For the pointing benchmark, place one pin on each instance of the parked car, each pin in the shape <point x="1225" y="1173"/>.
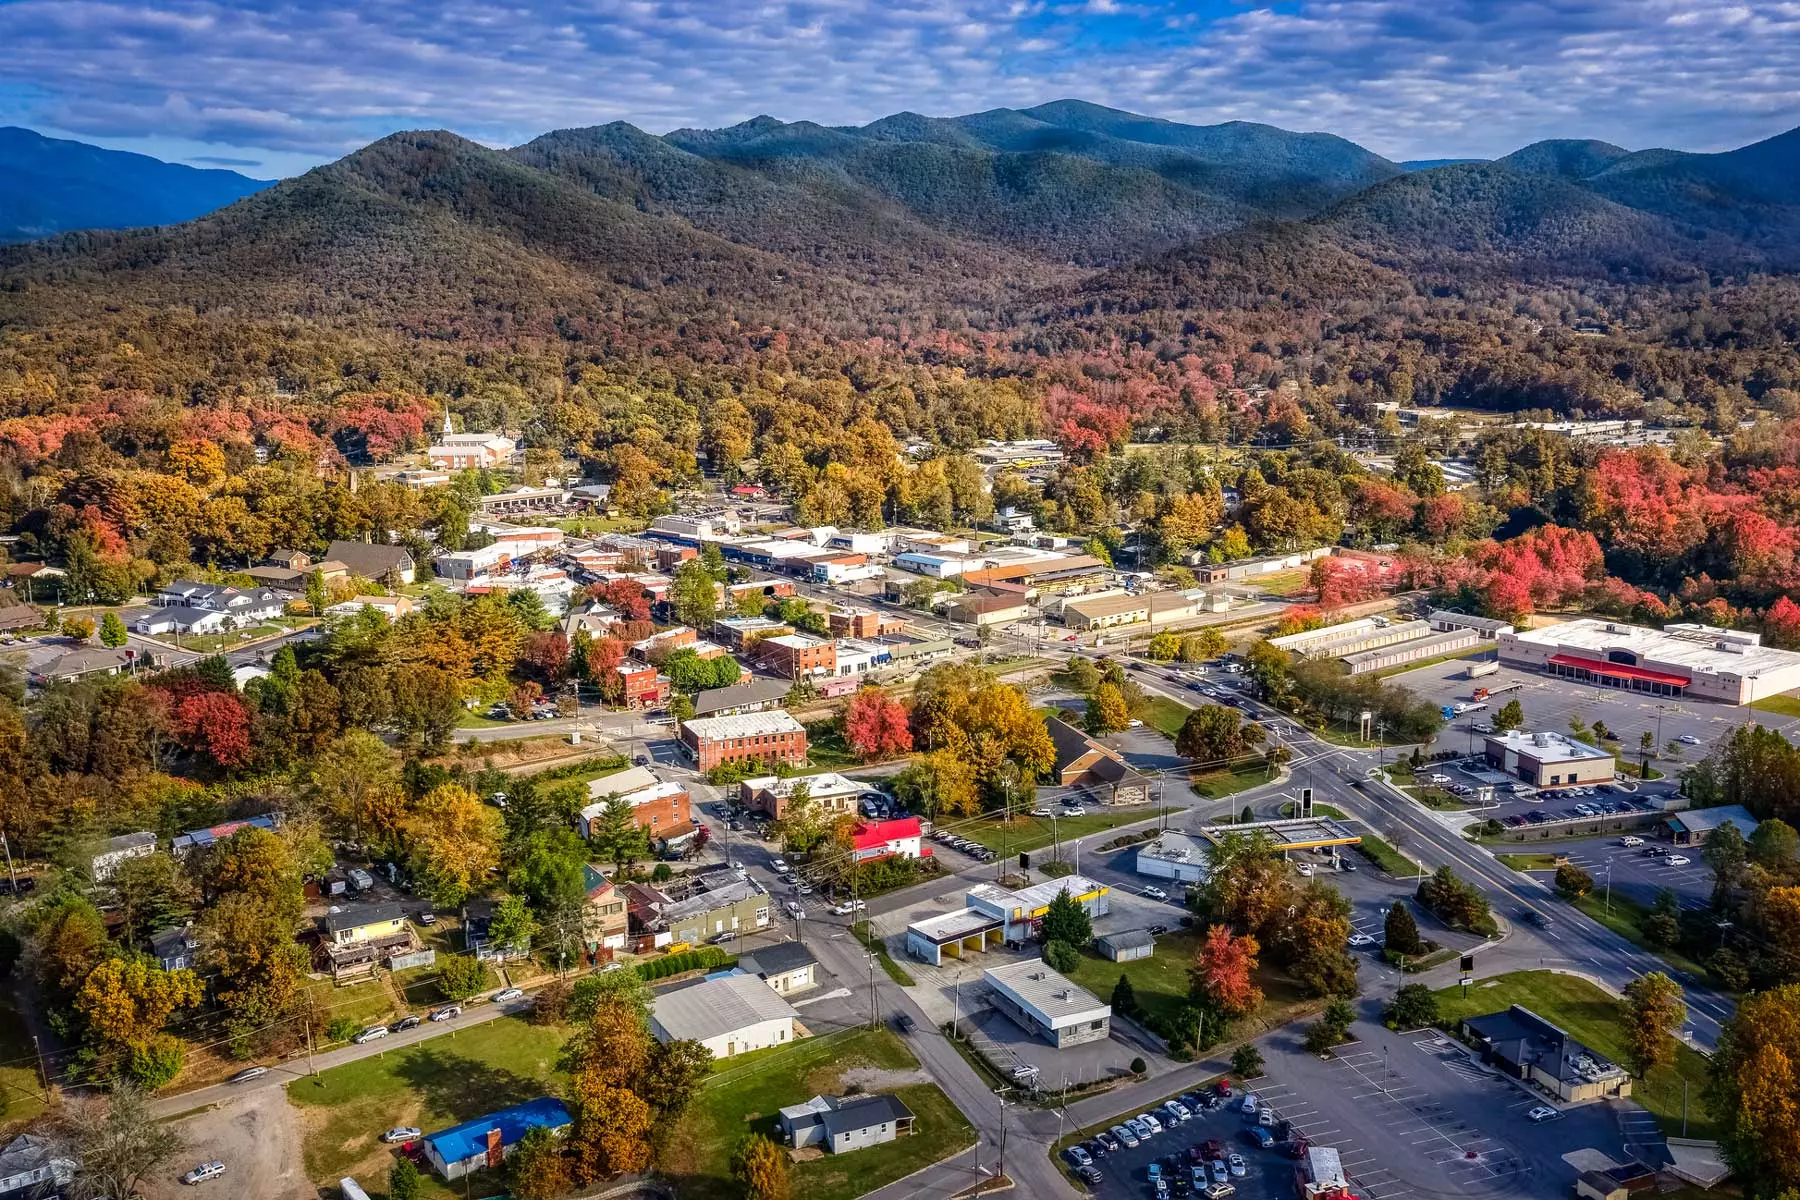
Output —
<point x="1108" y="1140"/>
<point x="401" y="1133"/>
<point x="1079" y="1156"/>
<point x="1677" y="860"/>
<point x="1220" y="1172"/>
<point x="1090" y="1175"/>
<point x="248" y="1073"/>
<point x="1124" y="1135"/>
<point x="1260" y="1137"/>
<point x="1155" y="893"/>
<point x="446" y="1012"/>
<point x="406" y="1023"/>
<point x="1688" y="739"/>
<point x="1356" y="939"/>
<point x="505" y="994"/>
<point x="1542" y="1113"/>
<point x="1149" y="1119"/>
<point x="1235" y="1163"/>
<point x="1249" y="1104"/>
<point x="372" y="1033"/>
<point x="1024" y="1071"/>
<point x="204" y="1172"/>
<point x="1631" y="840"/>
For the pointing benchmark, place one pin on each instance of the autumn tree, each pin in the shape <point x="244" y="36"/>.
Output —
<point x="1215" y="733"/>
<point x="115" y="1140"/>
<point x="693" y="595"/>
<point x="1654" y="1011"/>
<point x="453" y="839"/>
<point x="604" y="1060"/>
<point x="874" y="726"/>
<point x="153" y="892"/>
<point x="1753" y="1092"/>
<point x="939" y="783"/>
<point x="1248" y="885"/>
<point x="1203" y="646"/>
<point x="1775" y="846"/>
<point x="112" y="630"/>
<point x="762" y="1167"/>
<point x="124" y="1003"/>
<point x="1163" y="647"/>
<point x="247" y="942"/>
<point x="461" y="976"/>
<point x="68" y="940"/>
<point x="355" y="786"/>
<point x="215" y="725"/>
<point x="1107" y="711"/>
<point x="537" y="1168"/>
<point x="1223" y="972"/>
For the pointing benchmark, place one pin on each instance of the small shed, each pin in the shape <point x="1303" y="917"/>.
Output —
<point x="1126" y="945"/>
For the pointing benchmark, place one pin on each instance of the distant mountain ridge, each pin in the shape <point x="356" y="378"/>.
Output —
<point x="50" y="186"/>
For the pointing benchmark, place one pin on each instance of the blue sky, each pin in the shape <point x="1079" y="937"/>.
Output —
<point x="272" y="87"/>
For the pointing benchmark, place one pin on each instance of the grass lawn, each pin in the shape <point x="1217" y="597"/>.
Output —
<point x="894" y="970"/>
<point x="1160" y="981"/>
<point x="1529" y="862"/>
<point x="20" y="1098"/>
<point x="1165" y="715"/>
<point x="734" y="1103"/>
<point x="1285" y="583"/>
<point x="1386" y="857"/>
<point x="825" y="748"/>
<point x="1787" y="704"/>
<point x="1626" y="918"/>
<point x="1031" y="833"/>
<point x="1593" y="1017"/>
<point x="365" y="1003"/>
<point x="1219" y="784"/>
<point x="431" y="1085"/>
<point x="474" y="720"/>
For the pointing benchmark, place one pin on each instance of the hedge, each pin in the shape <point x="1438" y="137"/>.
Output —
<point x="701" y="958"/>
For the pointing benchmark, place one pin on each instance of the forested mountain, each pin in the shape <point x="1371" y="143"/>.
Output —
<point x="49" y="185"/>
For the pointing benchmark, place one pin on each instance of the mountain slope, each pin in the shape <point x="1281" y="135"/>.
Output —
<point x="1566" y="158"/>
<point x="48" y="185"/>
<point x="1751" y="193"/>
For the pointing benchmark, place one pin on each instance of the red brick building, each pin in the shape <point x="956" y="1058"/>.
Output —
<point x="768" y="737"/>
<point x="796" y="655"/>
<point x="864" y="623"/>
<point x="645" y="686"/>
<point x="670" y="557"/>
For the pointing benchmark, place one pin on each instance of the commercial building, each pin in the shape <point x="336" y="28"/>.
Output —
<point x="1022" y="911"/>
<point x="1155" y="608"/>
<point x="797" y="655"/>
<point x="742" y="633"/>
<point x="833" y="793"/>
<point x="83" y="664"/>
<point x="1693" y="826"/>
<point x="842" y="1125"/>
<point x="788" y="967"/>
<point x="1548" y="759"/>
<point x="1415" y="649"/>
<point x="1175" y="856"/>
<point x="660" y="807"/>
<point x="1049" y="1005"/>
<point x="486" y="1141"/>
<point x="953" y="935"/>
<point x="1527" y="1047"/>
<point x="749" y="696"/>
<point x="720" y="902"/>
<point x="118" y="849"/>
<point x="1490" y="628"/>
<point x="1085" y="763"/>
<point x="383" y="564"/>
<point x="767" y="737"/>
<point x="1250" y="568"/>
<point x="988" y="608"/>
<point x="728" y="1014"/>
<point x="470" y="451"/>
<point x="1703" y="661"/>
<point x="1302" y="833"/>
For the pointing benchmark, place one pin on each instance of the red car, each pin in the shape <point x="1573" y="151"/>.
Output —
<point x="1223" y="1088"/>
<point x="1212" y="1151"/>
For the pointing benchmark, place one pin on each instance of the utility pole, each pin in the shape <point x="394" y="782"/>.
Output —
<point x="1000" y="1166"/>
<point x="11" y="873"/>
<point x="43" y="1071"/>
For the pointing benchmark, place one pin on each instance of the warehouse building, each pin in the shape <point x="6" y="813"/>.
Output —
<point x="1490" y="628"/>
<point x="1046" y="1004"/>
<point x="729" y="1015"/>
<point x="1412" y="650"/>
<point x="1702" y="661"/>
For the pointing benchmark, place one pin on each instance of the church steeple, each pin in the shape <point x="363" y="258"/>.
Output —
<point x="447" y="427"/>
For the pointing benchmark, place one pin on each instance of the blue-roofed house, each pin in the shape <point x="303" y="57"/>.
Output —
<point x="486" y="1141"/>
<point x="205" y="839"/>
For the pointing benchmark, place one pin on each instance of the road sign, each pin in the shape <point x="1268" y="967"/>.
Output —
<point x="1468" y="964"/>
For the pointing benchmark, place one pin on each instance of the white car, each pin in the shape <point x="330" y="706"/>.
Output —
<point x="1071" y="811"/>
<point x="848" y="907"/>
<point x="1631" y="839"/>
<point x="1236" y="1165"/>
<point x="793" y="910"/>
<point x="779" y="866"/>
<point x="445" y="1013"/>
<point x="1677" y="860"/>
<point x="1080" y="1157"/>
<point x="1042" y="812"/>
<point x="505" y="994"/>
<point x="1149" y="1119"/>
<point x="1356" y="939"/>
<point x="1249" y="1104"/>
<point x="1440" y="779"/>
<point x="1304" y="870"/>
<point x="1155" y="893"/>
<point x="1542" y="1113"/>
<point x="401" y="1133"/>
<point x="204" y="1172"/>
<point x="372" y="1033"/>
<point x="1125" y="1134"/>
<point x="1688" y="739"/>
<point x="1134" y="723"/>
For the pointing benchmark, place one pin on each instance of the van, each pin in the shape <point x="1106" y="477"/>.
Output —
<point x="372" y="1033"/>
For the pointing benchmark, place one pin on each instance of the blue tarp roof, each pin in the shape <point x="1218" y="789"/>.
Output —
<point x="471" y="1137"/>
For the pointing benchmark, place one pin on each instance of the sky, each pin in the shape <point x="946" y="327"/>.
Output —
<point x="272" y="87"/>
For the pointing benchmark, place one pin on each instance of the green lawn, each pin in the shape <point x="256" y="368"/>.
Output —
<point x="1217" y="785"/>
<point x="1386" y="857"/>
<point x="364" y="1003"/>
<point x="894" y="970"/>
<point x="1626" y="917"/>
<point x="1787" y="704"/>
<point x="20" y="1097"/>
<point x="1032" y="833"/>
<point x="474" y="720"/>
<point x="734" y="1103"/>
<point x="1529" y="862"/>
<point x="1165" y="715"/>
<point x="1593" y="1017"/>
<point x="1160" y="981"/>
<point x="825" y="748"/>
<point x="431" y="1085"/>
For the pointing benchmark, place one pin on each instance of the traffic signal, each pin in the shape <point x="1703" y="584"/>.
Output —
<point x="1306" y="802"/>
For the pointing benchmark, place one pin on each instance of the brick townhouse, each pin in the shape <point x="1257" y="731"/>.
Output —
<point x="863" y="623"/>
<point x="797" y="655"/>
<point x="645" y="686"/>
<point x="768" y="737"/>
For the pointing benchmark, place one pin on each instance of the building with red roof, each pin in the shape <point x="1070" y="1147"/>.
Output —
<point x="901" y="838"/>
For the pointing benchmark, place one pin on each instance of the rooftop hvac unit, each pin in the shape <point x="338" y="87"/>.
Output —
<point x="1540" y="739"/>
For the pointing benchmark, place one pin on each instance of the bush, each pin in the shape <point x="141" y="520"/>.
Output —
<point x="661" y="873"/>
<point x="701" y="958"/>
<point x="1247" y="1061"/>
<point x="1414" y="1006"/>
<point x="1573" y="882"/>
<point x="1124" y="998"/>
<point x="157" y="1063"/>
<point x="1139" y="1066"/>
<point x="1061" y="956"/>
<point x="341" y="1029"/>
<point x="1320" y="1038"/>
<point x="460" y="976"/>
<point x="551" y="1002"/>
<point x="403" y="1180"/>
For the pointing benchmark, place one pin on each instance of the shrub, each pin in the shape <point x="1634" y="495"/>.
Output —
<point x="1247" y="1061"/>
<point x="157" y="1062"/>
<point x="403" y="1180"/>
<point x="551" y="1002"/>
<point x="341" y="1029"/>
<point x="701" y="958"/>
<point x="1061" y="956"/>
<point x="1572" y="881"/>
<point x="1139" y="1066"/>
<point x="460" y="976"/>
<point x="1413" y="1007"/>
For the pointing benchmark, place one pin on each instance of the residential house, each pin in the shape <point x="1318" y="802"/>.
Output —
<point x="31" y="1166"/>
<point x="205" y="839"/>
<point x="239" y="606"/>
<point x="391" y="607"/>
<point x="840" y="1125"/>
<point x="729" y="1015"/>
<point x="715" y="906"/>
<point x="748" y="696"/>
<point x="788" y="967"/>
<point x="604" y="920"/>
<point x="364" y="924"/>
<point x="175" y="948"/>
<point x="390" y="565"/>
<point x="766" y="737"/>
<point x="1083" y="762"/>
<point x="486" y="1141"/>
<point x="84" y="663"/>
<point x="118" y="849"/>
<point x="14" y="617"/>
<point x="899" y="838"/>
<point x="477" y="917"/>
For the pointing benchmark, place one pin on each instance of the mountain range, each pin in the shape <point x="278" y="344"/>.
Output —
<point x="604" y="231"/>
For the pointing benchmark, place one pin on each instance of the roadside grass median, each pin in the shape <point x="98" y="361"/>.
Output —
<point x="872" y="942"/>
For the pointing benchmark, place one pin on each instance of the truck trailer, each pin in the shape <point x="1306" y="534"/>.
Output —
<point x="1477" y="669"/>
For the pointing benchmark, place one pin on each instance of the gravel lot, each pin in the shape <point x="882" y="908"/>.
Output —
<point x="256" y="1137"/>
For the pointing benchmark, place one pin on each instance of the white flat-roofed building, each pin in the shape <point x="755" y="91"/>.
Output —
<point x="1175" y="856"/>
<point x="953" y="935"/>
<point x="1023" y="910"/>
<point x="1728" y="665"/>
<point x="730" y="1015"/>
<point x="1047" y="1004"/>
<point x="1548" y="759"/>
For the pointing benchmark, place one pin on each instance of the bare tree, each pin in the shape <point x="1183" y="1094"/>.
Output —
<point x="115" y="1141"/>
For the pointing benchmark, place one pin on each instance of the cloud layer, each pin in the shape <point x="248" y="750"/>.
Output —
<point x="1408" y="78"/>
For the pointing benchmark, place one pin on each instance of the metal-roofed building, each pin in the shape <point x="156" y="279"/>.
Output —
<point x="1023" y="910"/>
<point x="1302" y="833"/>
<point x="462" y="1149"/>
<point x="787" y="967"/>
<point x="1490" y="628"/>
<point x="1729" y="665"/>
<point x="847" y="1124"/>
<point x="1126" y="945"/>
<point x="730" y="1014"/>
<point x="1693" y="826"/>
<point x="1526" y="1046"/>
<point x="1049" y="1005"/>
<point x="954" y="934"/>
<point x="768" y="737"/>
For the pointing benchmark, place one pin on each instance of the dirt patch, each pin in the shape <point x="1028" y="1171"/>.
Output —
<point x="258" y="1140"/>
<point x="878" y="1079"/>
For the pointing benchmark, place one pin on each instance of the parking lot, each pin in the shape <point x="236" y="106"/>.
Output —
<point x="1638" y="874"/>
<point x="1268" y="1174"/>
<point x="1602" y="807"/>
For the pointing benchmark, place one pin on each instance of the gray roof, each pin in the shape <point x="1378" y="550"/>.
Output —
<point x="718" y="1006"/>
<point x="370" y="561"/>
<point x="350" y="918"/>
<point x="84" y="662"/>
<point x="168" y="942"/>
<point x="723" y="892"/>
<point x="850" y="1115"/>
<point x="1070" y="742"/>
<point x="130" y="841"/>
<point x="1705" y="820"/>
<point x="1127" y="939"/>
<point x="1484" y="624"/>
<point x="778" y="959"/>
<point x="754" y="691"/>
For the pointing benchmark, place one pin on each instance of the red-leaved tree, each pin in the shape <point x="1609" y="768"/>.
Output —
<point x="1223" y="971"/>
<point x="627" y="598"/>
<point x="875" y="726"/>
<point x="546" y="654"/>
<point x="215" y="724"/>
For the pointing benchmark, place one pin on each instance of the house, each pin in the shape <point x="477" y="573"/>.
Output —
<point x="788" y="967"/>
<point x="797" y="655"/>
<point x="730" y="1014"/>
<point x="900" y="838"/>
<point x="766" y="737"/>
<point x="1083" y="762"/>
<point x="1126" y="945"/>
<point x="118" y="849"/>
<point x="30" y="1167"/>
<point x="82" y="664"/>
<point x="834" y="794"/>
<point x="1527" y="1047"/>
<point x="477" y="916"/>
<point x="842" y="1125"/>
<point x="14" y="617"/>
<point x="204" y="839"/>
<point x="1049" y="1005"/>
<point x="604" y="921"/>
<point x="748" y="696"/>
<point x="175" y="948"/>
<point x="486" y="1141"/>
<point x="364" y="924"/>
<point x="239" y="606"/>
<point x="390" y="565"/>
<point x="195" y="622"/>
<point x="1694" y="826"/>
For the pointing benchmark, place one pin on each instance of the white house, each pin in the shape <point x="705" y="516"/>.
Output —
<point x="126" y="845"/>
<point x="734" y="1014"/>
